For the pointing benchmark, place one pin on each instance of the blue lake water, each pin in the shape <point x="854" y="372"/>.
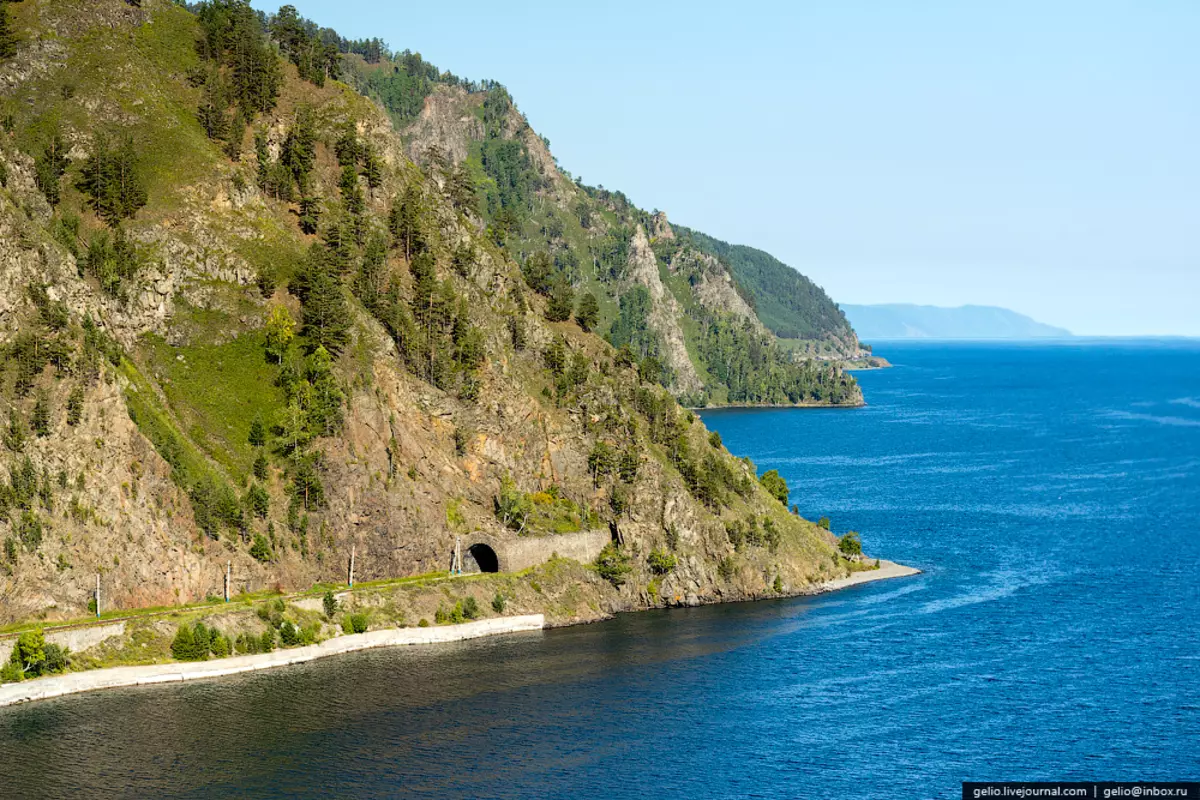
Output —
<point x="1051" y="493"/>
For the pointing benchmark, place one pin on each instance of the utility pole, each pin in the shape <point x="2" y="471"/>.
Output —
<point x="228" y="569"/>
<point x="97" y="595"/>
<point x="352" y="548"/>
<point x="456" y="558"/>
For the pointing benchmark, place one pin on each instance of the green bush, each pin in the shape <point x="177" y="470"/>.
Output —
<point x="471" y="608"/>
<point x="613" y="565"/>
<point x="774" y="483"/>
<point x="457" y="615"/>
<point x="191" y="643"/>
<point x="331" y="604"/>
<point x="424" y="623"/>
<point x="660" y="563"/>
<point x="778" y="585"/>
<point x="261" y="549"/>
<point x="248" y="644"/>
<point x="498" y="603"/>
<point x="440" y="616"/>
<point x="358" y="622"/>
<point x="267" y="641"/>
<point x="32" y="656"/>
<point x="850" y="544"/>
<point x="726" y="568"/>
<point x="289" y="634"/>
<point x="11" y="673"/>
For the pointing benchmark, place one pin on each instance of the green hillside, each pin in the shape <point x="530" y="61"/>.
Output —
<point x="245" y="330"/>
<point x="788" y="303"/>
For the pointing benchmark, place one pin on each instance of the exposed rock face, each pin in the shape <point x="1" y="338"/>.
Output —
<point x="660" y="228"/>
<point x="643" y="269"/>
<point x="447" y="121"/>
<point x="713" y="286"/>
<point x="412" y="467"/>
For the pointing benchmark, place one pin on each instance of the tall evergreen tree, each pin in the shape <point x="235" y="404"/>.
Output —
<point x="326" y="318"/>
<point x="588" y="312"/>
<point x="111" y="181"/>
<point x="8" y="34"/>
<point x="50" y="166"/>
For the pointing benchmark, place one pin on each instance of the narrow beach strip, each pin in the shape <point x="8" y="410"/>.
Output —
<point x="175" y="671"/>
<point x="887" y="569"/>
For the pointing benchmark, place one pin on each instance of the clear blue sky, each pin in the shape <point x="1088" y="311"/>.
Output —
<point x="1043" y="156"/>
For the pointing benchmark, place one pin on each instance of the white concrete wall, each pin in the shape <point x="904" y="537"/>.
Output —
<point x="56" y="686"/>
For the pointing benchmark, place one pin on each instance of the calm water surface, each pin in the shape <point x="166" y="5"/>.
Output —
<point x="1050" y="493"/>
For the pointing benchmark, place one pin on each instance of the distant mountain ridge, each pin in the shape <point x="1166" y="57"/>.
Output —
<point x="906" y="321"/>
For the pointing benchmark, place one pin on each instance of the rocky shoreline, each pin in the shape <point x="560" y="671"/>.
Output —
<point x="175" y="671"/>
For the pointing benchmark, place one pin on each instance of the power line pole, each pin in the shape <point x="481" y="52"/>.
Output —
<point x="97" y="595"/>
<point x="352" y="548"/>
<point x="228" y="569"/>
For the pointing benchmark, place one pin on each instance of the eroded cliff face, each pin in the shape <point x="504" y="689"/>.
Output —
<point x="167" y="374"/>
<point x="664" y="319"/>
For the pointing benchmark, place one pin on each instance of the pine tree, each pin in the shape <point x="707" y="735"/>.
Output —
<point x="561" y="301"/>
<point x="15" y="435"/>
<point x="372" y="167"/>
<point x="75" y="406"/>
<point x="588" y="312"/>
<point x="326" y="318"/>
<point x="111" y="181"/>
<point x="310" y="212"/>
<point x="404" y="222"/>
<point x="39" y="419"/>
<point x="49" y="167"/>
<point x="299" y="151"/>
<point x="347" y="147"/>
<point x="8" y="34"/>
<point x="213" y="103"/>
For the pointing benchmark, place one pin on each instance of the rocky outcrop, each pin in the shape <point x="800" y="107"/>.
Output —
<point x="643" y="270"/>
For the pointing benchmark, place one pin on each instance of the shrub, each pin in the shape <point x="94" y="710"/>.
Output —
<point x="714" y="439"/>
<point x="330" y="603"/>
<point x="424" y="623"/>
<point x="774" y="483"/>
<point x="185" y="646"/>
<point x="613" y="565"/>
<point x="440" y="616"/>
<point x="221" y="646"/>
<point x="824" y="523"/>
<point x="11" y="673"/>
<point x="261" y="549"/>
<point x="267" y="641"/>
<point x="471" y="608"/>
<point x="850" y="544"/>
<point x="498" y="603"/>
<point x="457" y="615"/>
<point x="778" y="585"/>
<point x="358" y="622"/>
<point x="726" y="568"/>
<point x="248" y="644"/>
<point x="32" y="656"/>
<point x="673" y="537"/>
<point x="660" y="562"/>
<point x="289" y="634"/>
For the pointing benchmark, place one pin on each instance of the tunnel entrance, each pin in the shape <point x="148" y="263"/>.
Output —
<point x="483" y="558"/>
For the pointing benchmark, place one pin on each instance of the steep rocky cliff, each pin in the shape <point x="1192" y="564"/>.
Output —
<point x="243" y="326"/>
<point x="603" y="244"/>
